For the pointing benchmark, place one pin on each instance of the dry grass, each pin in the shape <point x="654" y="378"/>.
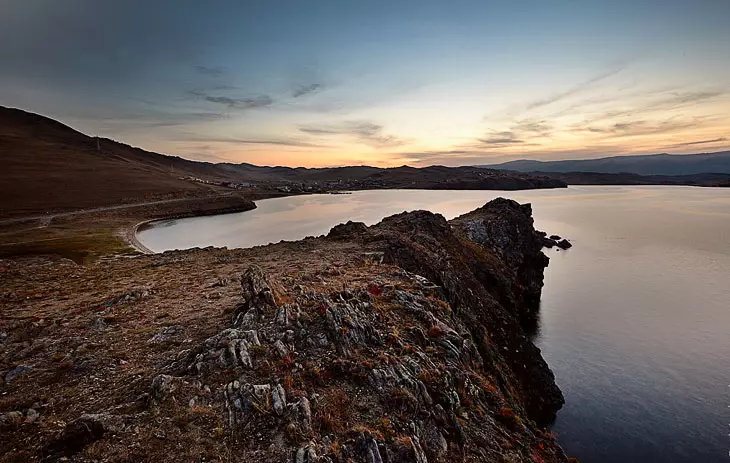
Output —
<point x="333" y="416"/>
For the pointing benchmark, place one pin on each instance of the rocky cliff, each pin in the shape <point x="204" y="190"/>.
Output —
<point x="407" y="341"/>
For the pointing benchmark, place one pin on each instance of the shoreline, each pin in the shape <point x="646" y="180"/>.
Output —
<point x="129" y="234"/>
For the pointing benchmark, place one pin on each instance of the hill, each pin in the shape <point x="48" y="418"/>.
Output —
<point x="49" y="167"/>
<point x="654" y="164"/>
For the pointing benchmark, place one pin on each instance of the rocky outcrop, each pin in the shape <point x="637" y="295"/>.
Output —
<point x="406" y="341"/>
<point x="428" y="361"/>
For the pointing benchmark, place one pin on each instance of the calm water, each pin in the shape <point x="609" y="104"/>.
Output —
<point x="635" y="318"/>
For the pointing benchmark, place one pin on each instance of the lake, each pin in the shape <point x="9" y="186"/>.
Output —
<point x="635" y="318"/>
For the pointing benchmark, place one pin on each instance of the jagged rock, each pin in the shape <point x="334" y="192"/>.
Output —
<point x="228" y="349"/>
<point x="281" y="349"/>
<point x="434" y="441"/>
<point x="419" y="454"/>
<point x="302" y="413"/>
<point x="244" y="399"/>
<point x="305" y="454"/>
<point x="164" y="385"/>
<point x="257" y="298"/>
<point x="372" y="452"/>
<point x="278" y="397"/>
<point x="564" y="244"/>
<point x="349" y="325"/>
<point x="373" y="257"/>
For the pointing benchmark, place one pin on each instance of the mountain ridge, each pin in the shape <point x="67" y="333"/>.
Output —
<point x="648" y="164"/>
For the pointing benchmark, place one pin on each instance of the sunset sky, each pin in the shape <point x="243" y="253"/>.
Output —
<point x="338" y="82"/>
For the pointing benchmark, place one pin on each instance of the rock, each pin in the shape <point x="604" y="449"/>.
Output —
<point x="16" y="372"/>
<point x="80" y="433"/>
<point x="555" y="237"/>
<point x="164" y="385"/>
<point x="31" y="415"/>
<point x="10" y="418"/>
<point x="564" y="244"/>
<point x="281" y="349"/>
<point x="347" y="230"/>
<point x="492" y="282"/>
<point x="305" y="454"/>
<point x="165" y="334"/>
<point x="372" y="454"/>
<point x="302" y="413"/>
<point x="100" y="324"/>
<point x="278" y="397"/>
<point x="257" y="298"/>
<point x="549" y="243"/>
<point x="420" y="455"/>
<point x="228" y="349"/>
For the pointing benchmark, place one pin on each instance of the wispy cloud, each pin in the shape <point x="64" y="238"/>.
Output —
<point x="157" y="118"/>
<point x="576" y="89"/>
<point x="699" y="142"/>
<point x="259" y="101"/>
<point x="306" y="89"/>
<point x="293" y="142"/>
<point x="322" y="131"/>
<point x="214" y="71"/>
<point x="533" y="127"/>
<point x="638" y="104"/>
<point x="500" y="138"/>
<point x="365" y="131"/>
<point x="641" y="127"/>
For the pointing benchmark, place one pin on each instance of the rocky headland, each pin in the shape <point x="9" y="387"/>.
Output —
<point x="406" y="341"/>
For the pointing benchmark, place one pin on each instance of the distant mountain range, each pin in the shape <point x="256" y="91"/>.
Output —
<point x="653" y="164"/>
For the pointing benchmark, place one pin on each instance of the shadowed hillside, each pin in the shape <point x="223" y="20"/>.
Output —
<point x="48" y="166"/>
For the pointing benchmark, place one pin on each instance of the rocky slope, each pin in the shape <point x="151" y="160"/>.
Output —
<point x="407" y="341"/>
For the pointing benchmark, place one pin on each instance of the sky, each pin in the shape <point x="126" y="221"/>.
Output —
<point x="379" y="82"/>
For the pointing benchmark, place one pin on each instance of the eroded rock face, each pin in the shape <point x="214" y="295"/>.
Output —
<point x="425" y="360"/>
<point x="490" y="265"/>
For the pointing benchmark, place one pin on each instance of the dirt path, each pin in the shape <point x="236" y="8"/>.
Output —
<point x="46" y="219"/>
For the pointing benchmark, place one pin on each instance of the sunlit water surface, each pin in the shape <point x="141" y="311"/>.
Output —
<point x="635" y="318"/>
